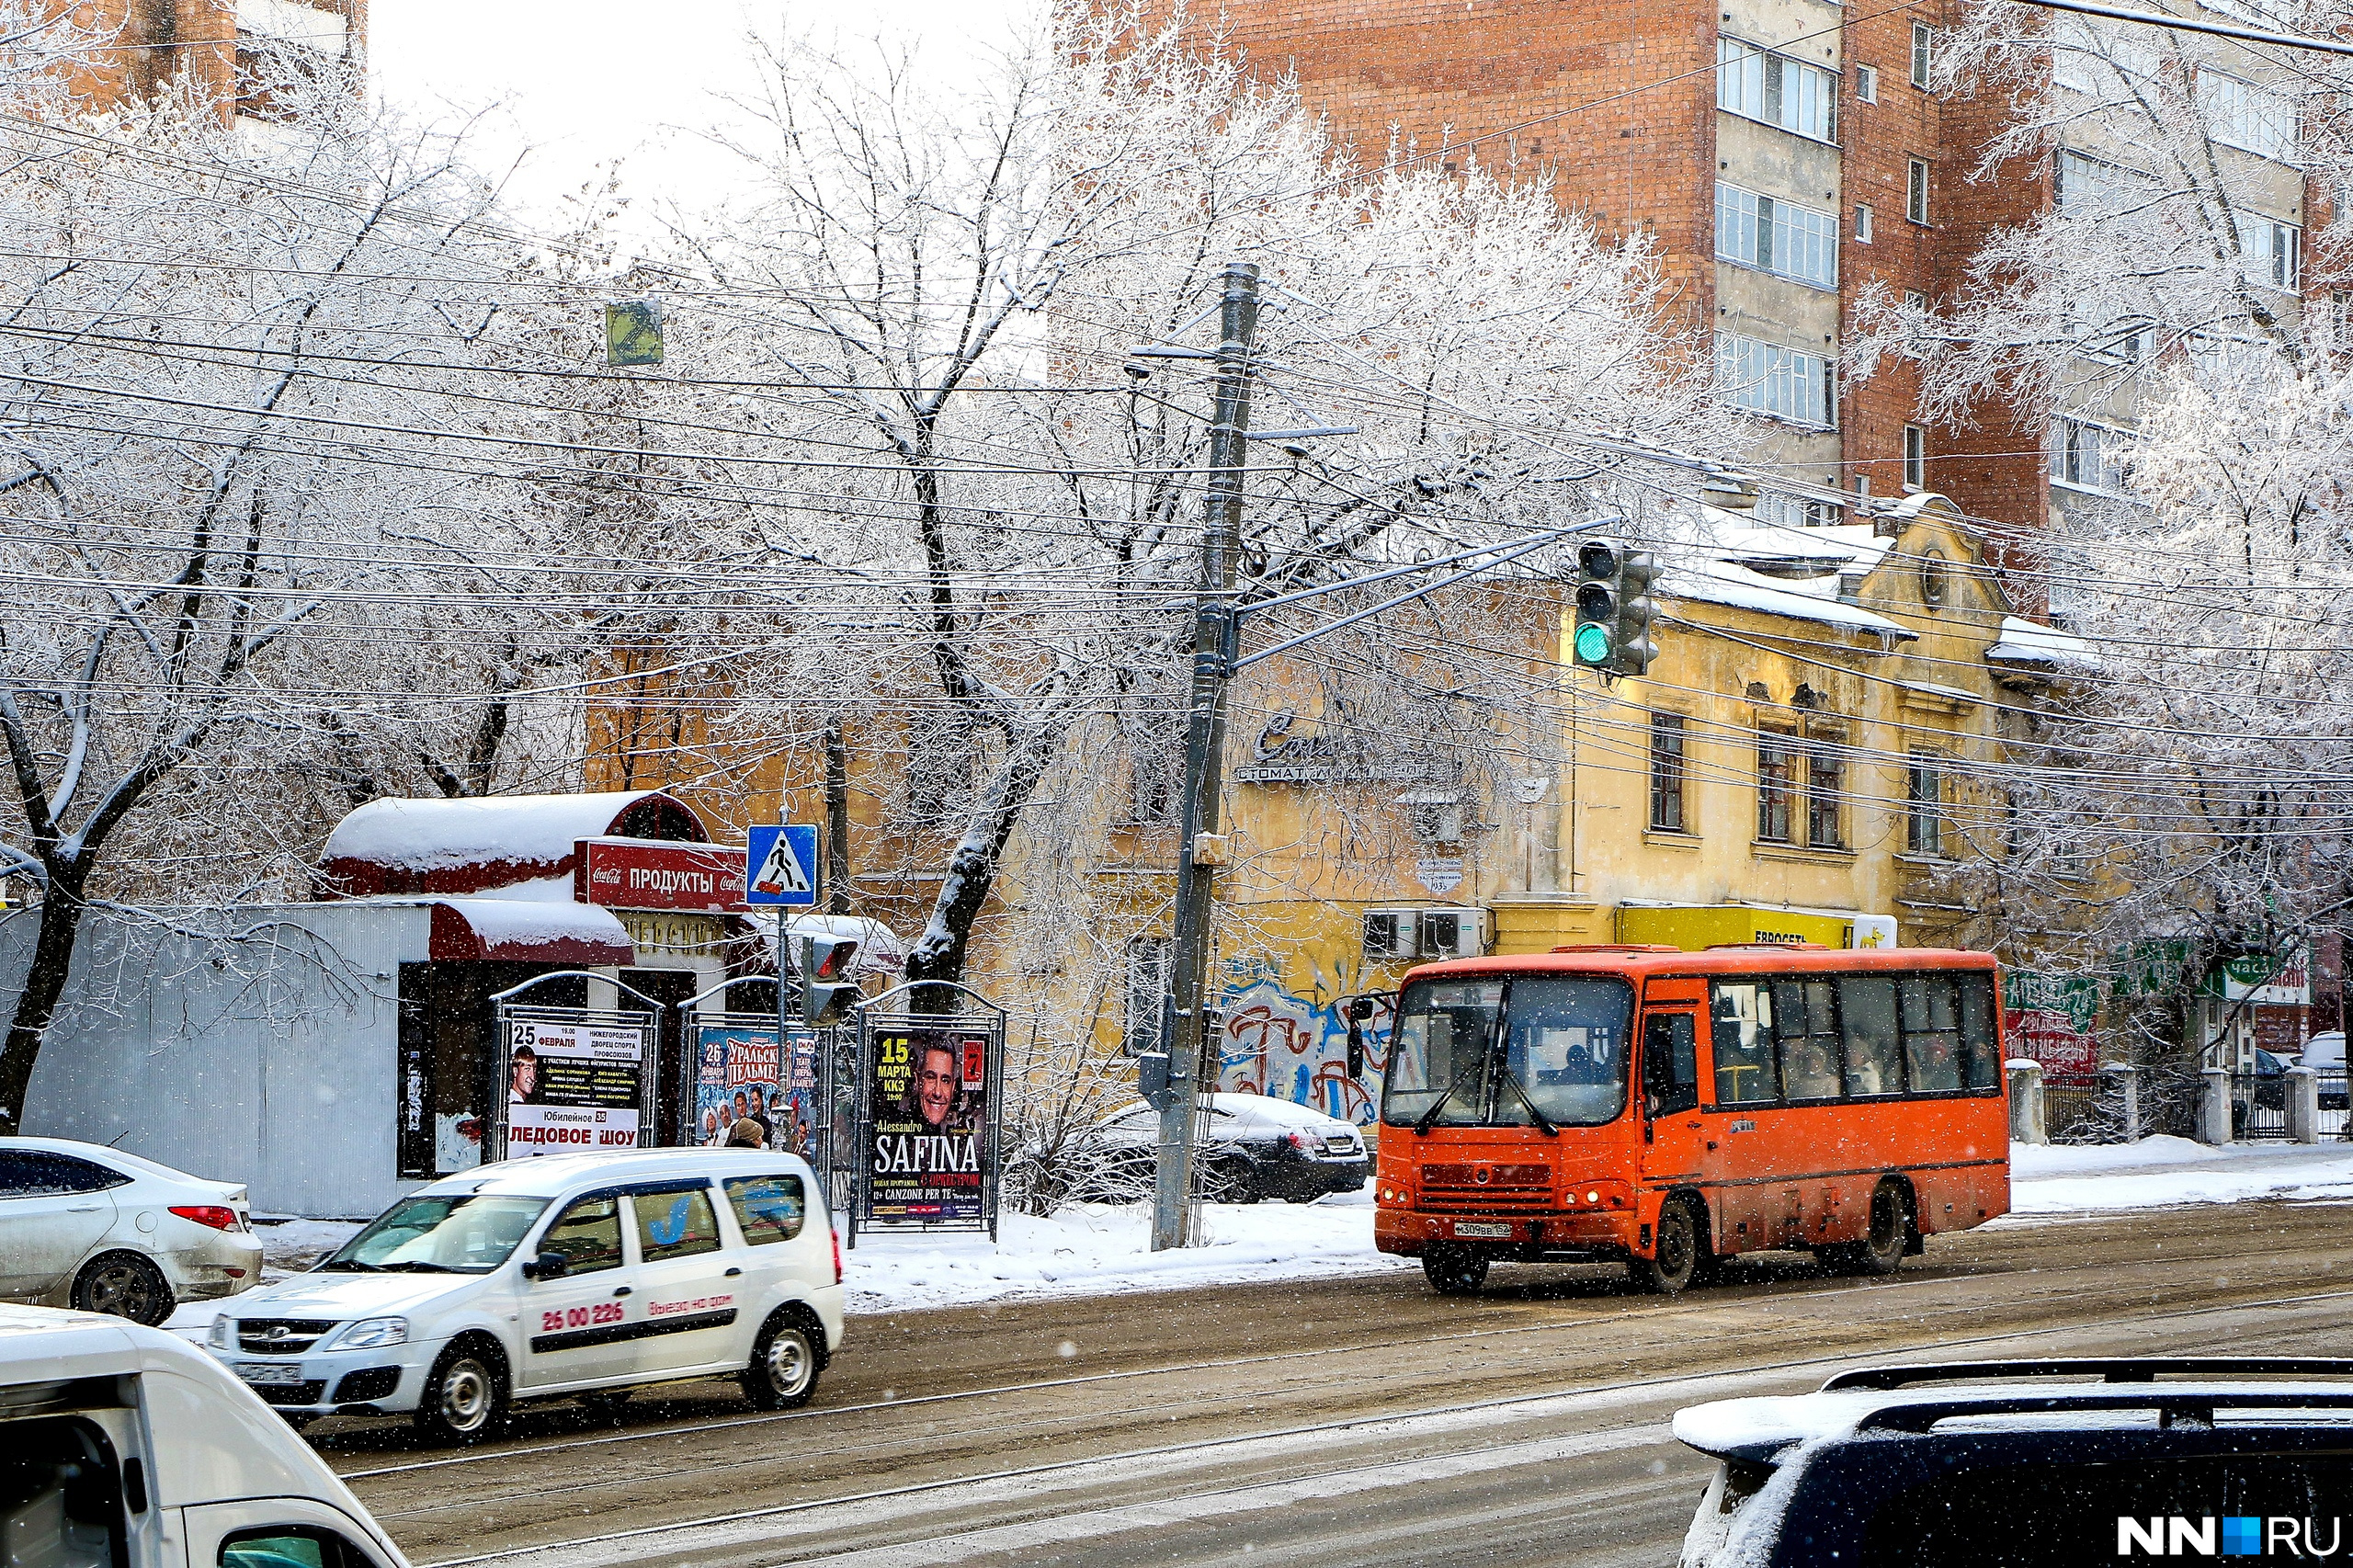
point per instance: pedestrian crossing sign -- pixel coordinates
(780, 864)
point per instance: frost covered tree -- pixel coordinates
(2163, 317)
(954, 275)
(250, 483)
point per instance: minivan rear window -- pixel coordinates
(767, 1208)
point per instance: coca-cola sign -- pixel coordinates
(636, 873)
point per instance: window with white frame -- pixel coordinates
(1779, 509)
(2087, 455)
(2090, 186)
(1867, 83)
(1916, 189)
(2244, 115)
(2098, 58)
(1775, 235)
(1758, 85)
(1916, 458)
(1924, 48)
(1787, 383)
(2272, 251)
(1863, 224)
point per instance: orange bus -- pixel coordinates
(1671, 1108)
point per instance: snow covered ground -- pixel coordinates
(1102, 1249)
(2157, 1172)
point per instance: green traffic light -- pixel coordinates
(1593, 644)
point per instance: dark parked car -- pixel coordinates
(1257, 1147)
(2027, 1465)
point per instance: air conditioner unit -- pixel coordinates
(1452, 933)
(1390, 935)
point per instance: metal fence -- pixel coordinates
(2071, 1111)
(2258, 1108)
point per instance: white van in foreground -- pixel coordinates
(125, 1446)
(565, 1275)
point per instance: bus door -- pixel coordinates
(1673, 1137)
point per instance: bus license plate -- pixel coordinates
(1482, 1228)
(269, 1372)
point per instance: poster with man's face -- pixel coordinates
(573, 1086)
(930, 1102)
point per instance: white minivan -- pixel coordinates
(577, 1275)
(126, 1446)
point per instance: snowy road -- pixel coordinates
(1360, 1420)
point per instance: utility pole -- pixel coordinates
(1199, 853)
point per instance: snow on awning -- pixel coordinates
(2031, 645)
(521, 931)
(469, 846)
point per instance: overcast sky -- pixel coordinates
(582, 82)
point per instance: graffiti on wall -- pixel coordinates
(1278, 1044)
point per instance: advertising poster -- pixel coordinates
(741, 1074)
(2052, 1018)
(574, 1085)
(931, 1105)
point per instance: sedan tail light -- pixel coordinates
(213, 1214)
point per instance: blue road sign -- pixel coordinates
(781, 866)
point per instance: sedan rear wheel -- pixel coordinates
(124, 1285)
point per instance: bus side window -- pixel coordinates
(1670, 1064)
(1742, 1014)
(1980, 1040)
(1809, 1015)
(1874, 1043)
(1931, 1032)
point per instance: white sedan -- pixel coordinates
(92, 1228)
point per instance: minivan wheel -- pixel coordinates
(783, 1371)
(465, 1395)
(1675, 1262)
(124, 1285)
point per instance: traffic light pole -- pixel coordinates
(1173, 1212)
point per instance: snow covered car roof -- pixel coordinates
(547, 1175)
(1895, 1399)
(1262, 1109)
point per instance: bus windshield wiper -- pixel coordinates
(1543, 1122)
(1428, 1118)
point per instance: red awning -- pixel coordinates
(517, 931)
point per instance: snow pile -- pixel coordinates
(1102, 1249)
(2158, 1172)
(423, 834)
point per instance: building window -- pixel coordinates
(2272, 251)
(2088, 186)
(1923, 44)
(1915, 300)
(1667, 773)
(1765, 378)
(1826, 795)
(1867, 83)
(1775, 769)
(1863, 224)
(2097, 58)
(1148, 983)
(1156, 736)
(1916, 458)
(1776, 90)
(2088, 457)
(1923, 805)
(1916, 190)
(2250, 118)
(1775, 235)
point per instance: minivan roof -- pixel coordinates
(1637, 961)
(545, 1176)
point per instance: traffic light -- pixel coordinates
(827, 994)
(1636, 610)
(1596, 639)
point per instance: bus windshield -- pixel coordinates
(1509, 1052)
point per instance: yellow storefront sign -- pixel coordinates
(1694, 927)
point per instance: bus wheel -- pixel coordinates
(1454, 1273)
(1676, 1260)
(1881, 1251)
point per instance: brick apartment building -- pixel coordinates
(149, 45)
(1784, 154)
